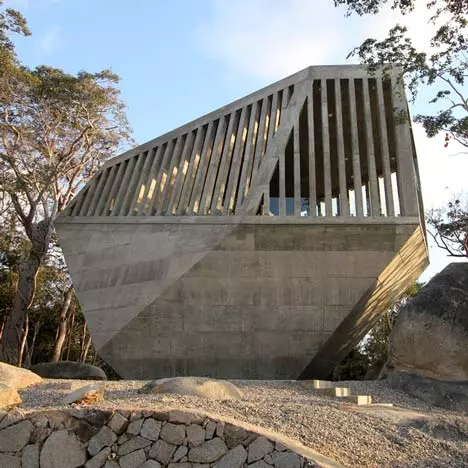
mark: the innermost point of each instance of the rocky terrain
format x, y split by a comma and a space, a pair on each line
410, 433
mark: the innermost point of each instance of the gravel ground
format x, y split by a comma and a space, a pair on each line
412, 434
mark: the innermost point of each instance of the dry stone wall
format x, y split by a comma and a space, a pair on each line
144, 439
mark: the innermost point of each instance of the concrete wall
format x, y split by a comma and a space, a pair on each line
253, 300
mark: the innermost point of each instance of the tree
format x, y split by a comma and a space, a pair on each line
449, 228
444, 69
367, 359
56, 129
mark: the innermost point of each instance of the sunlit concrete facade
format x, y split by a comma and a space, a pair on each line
262, 240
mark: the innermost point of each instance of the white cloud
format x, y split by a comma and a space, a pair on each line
49, 41
443, 170
269, 39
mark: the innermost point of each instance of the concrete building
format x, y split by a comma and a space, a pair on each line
262, 240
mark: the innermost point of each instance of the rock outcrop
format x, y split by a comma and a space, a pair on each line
17, 377
428, 352
430, 336
9, 396
445, 394
194, 386
69, 370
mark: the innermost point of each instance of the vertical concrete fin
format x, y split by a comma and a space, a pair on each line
355, 150
343, 196
371, 166
390, 208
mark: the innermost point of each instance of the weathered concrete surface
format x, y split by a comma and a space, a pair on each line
403, 270
231, 247
255, 300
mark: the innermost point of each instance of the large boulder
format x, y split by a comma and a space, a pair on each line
193, 386
9, 397
69, 370
430, 336
17, 377
93, 393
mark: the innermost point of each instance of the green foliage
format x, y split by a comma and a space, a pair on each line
11, 22
56, 130
449, 228
353, 367
444, 69
371, 354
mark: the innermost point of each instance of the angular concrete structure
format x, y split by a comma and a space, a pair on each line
262, 240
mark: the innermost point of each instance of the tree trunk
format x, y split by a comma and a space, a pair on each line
86, 349
37, 327
24, 340
71, 329
83, 341
62, 325
39, 234
3, 324
13, 332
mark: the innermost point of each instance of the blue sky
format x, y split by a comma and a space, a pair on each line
179, 59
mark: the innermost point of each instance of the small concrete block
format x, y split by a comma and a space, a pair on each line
118, 423
360, 399
316, 384
339, 392
132, 460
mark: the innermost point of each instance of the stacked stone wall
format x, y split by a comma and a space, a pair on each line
143, 439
